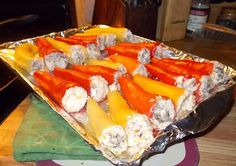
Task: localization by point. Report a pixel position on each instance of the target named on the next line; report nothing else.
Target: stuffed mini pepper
(102, 40)
(142, 55)
(107, 73)
(212, 68)
(187, 82)
(204, 82)
(132, 66)
(91, 47)
(183, 99)
(137, 126)
(96, 86)
(109, 134)
(160, 109)
(52, 57)
(69, 95)
(151, 46)
(27, 56)
(77, 54)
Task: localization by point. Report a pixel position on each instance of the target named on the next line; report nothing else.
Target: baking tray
(205, 114)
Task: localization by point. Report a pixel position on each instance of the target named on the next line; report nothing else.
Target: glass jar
(198, 14)
(227, 17)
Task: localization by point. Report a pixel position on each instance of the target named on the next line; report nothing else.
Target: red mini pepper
(205, 68)
(148, 45)
(162, 75)
(45, 47)
(105, 72)
(151, 46)
(74, 76)
(54, 86)
(67, 40)
(96, 86)
(138, 99)
(180, 70)
(85, 38)
(73, 41)
(127, 51)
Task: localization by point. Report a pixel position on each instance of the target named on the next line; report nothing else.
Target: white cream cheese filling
(186, 102)
(114, 139)
(205, 86)
(120, 71)
(106, 40)
(144, 56)
(74, 99)
(114, 87)
(78, 54)
(141, 69)
(161, 52)
(187, 83)
(110, 40)
(55, 59)
(139, 132)
(101, 42)
(218, 75)
(36, 65)
(93, 51)
(128, 36)
(98, 88)
(163, 113)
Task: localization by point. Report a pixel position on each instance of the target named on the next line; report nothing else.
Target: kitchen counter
(217, 146)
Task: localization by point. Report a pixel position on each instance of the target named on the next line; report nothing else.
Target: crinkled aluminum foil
(205, 114)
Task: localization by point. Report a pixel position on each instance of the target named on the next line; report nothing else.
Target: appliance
(25, 19)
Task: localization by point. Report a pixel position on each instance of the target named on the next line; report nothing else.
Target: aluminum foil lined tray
(205, 114)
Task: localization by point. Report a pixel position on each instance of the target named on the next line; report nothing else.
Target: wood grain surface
(7, 133)
(217, 146)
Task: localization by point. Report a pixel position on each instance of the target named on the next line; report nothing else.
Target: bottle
(227, 17)
(198, 15)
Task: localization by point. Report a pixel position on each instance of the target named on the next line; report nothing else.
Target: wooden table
(217, 147)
